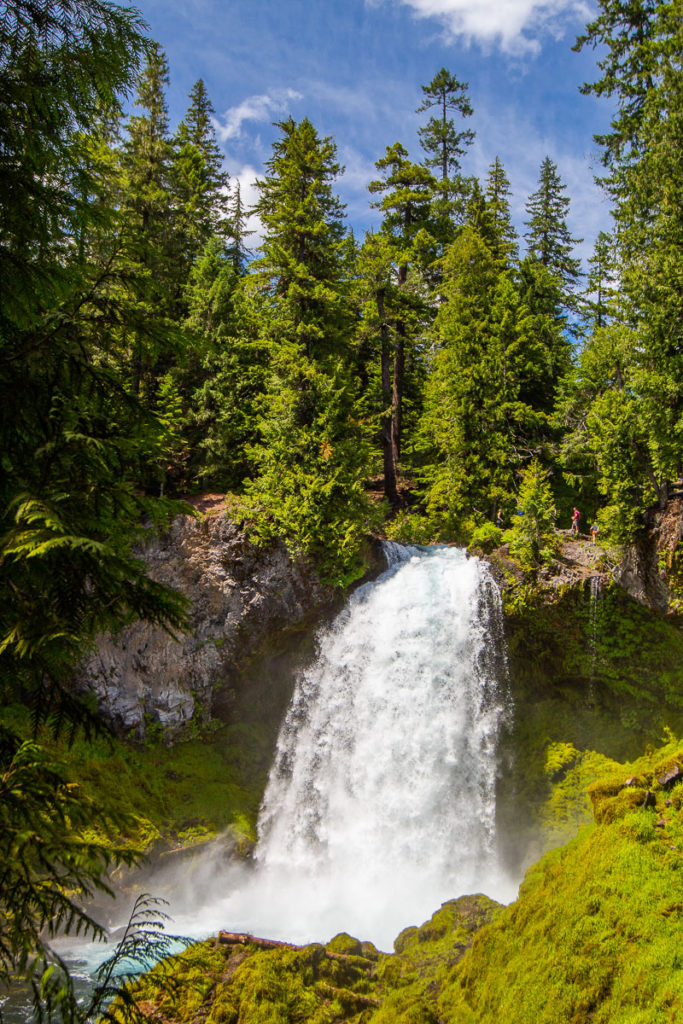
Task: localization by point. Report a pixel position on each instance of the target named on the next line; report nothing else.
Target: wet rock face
(239, 597)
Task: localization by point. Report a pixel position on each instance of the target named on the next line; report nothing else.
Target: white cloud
(254, 108)
(501, 22)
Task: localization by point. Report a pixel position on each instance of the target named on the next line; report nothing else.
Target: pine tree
(472, 429)
(231, 379)
(597, 300)
(549, 241)
(200, 185)
(503, 237)
(312, 455)
(238, 216)
(444, 145)
(154, 257)
(640, 67)
(533, 532)
(406, 204)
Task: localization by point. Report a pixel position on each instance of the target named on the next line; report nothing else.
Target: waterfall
(380, 803)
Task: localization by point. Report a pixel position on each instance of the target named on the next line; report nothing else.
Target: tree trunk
(397, 383)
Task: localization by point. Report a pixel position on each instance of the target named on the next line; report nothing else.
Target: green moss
(177, 796)
(594, 938)
(595, 934)
(592, 684)
(244, 984)
(345, 944)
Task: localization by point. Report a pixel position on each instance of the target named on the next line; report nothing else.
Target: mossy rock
(613, 808)
(369, 950)
(406, 938)
(345, 944)
(461, 917)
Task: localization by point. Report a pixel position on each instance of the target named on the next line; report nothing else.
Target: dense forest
(427, 381)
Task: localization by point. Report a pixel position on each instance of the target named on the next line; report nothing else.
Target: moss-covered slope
(594, 938)
(595, 679)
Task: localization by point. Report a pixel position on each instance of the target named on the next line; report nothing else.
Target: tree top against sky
(357, 70)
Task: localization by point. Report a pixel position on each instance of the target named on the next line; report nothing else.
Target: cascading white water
(381, 800)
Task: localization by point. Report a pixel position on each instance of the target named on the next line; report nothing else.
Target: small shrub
(487, 537)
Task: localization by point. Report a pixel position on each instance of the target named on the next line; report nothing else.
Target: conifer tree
(71, 440)
(153, 253)
(200, 185)
(597, 301)
(640, 67)
(311, 457)
(445, 145)
(225, 315)
(503, 237)
(407, 189)
(549, 241)
(238, 215)
(476, 425)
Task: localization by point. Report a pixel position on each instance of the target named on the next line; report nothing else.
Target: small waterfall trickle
(593, 601)
(380, 803)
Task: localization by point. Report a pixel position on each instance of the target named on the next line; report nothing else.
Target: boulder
(671, 777)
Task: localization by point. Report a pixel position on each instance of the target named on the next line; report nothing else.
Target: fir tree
(533, 532)
(71, 440)
(640, 68)
(549, 241)
(238, 252)
(502, 235)
(312, 457)
(445, 145)
(406, 224)
(597, 301)
(474, 420)
(153, 251)
(200, 185)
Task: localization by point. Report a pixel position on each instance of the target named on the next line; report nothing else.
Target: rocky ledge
(239, 596)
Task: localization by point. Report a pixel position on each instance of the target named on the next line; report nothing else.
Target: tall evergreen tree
(154, 250)
(640, 67)
(476, 425)
(71, 439)
(549, 241)
(406, 190)
(598, 298)
(312, 456)
(200, 184)
(238, 216)
(445, 145)
(503, 237)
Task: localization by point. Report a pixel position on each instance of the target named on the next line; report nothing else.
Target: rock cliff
(239, 595)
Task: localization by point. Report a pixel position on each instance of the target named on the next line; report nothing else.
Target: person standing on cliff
(575, 522)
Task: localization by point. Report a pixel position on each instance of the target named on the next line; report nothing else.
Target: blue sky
(355, 67)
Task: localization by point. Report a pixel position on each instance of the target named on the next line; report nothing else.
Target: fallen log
(243, 939)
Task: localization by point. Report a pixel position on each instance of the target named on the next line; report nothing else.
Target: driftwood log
(243, 939)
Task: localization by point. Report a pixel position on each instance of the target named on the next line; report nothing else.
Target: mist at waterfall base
(380, 804)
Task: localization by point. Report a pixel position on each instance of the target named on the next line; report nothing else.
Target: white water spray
(381, 800)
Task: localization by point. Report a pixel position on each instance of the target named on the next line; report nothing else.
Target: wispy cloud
(513, 25)
(254, 108)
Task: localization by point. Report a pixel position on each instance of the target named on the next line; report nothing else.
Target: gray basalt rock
(240, 596)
